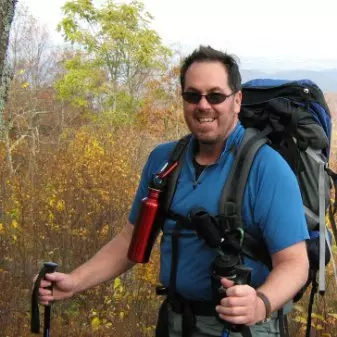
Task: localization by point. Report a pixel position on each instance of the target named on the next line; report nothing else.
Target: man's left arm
(277, 208)
(242, 305)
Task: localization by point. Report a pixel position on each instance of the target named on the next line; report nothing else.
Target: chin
(207, 140)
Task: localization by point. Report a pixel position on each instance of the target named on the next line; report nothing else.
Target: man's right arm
(110, 261)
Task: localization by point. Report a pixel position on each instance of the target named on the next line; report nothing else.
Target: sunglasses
(212, 97)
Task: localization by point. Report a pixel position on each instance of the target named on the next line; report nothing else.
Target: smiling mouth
(206, 120)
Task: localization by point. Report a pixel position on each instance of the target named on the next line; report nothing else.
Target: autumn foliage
(75, 138)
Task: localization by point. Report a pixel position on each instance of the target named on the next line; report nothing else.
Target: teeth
(206, 120)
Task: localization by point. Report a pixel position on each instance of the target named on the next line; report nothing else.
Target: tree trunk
(7, 8)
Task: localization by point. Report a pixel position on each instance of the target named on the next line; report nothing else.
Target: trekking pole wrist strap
(267, 305)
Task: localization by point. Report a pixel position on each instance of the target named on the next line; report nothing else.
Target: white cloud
(288, 33)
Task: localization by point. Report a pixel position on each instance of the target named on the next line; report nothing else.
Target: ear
(237, 101)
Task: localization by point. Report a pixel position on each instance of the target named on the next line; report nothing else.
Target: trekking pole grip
(48, 267)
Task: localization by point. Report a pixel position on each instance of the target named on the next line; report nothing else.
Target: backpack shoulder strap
(234, 187)
(232, 195)
(177, 155)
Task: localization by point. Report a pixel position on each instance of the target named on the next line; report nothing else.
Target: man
(272, 210)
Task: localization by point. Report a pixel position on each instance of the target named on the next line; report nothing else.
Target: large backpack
(294, 119)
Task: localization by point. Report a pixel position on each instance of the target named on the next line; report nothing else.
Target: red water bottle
(145, 232)
(147, 228)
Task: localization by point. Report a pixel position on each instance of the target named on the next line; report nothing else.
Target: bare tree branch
(17, 142)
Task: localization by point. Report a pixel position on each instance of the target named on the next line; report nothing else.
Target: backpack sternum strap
(226, 232)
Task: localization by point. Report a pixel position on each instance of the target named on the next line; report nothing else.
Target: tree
(31, 59)
(118, 49)
(31, 53)
(6, 18)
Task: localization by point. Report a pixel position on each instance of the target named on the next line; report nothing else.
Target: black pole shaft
(46, 329)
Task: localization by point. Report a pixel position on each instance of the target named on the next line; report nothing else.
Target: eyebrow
(210, 90)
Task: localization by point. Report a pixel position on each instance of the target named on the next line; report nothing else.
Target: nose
(203, 104)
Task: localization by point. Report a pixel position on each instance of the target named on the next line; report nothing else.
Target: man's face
(210, 123)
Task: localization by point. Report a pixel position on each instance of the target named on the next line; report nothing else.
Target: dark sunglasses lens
(191, 97)
(215, 97)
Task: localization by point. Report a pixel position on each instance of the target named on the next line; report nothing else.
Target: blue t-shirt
(272, 210)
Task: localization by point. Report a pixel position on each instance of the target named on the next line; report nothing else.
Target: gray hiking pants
(209, 326)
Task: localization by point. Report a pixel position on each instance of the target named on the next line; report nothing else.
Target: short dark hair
(208, 54)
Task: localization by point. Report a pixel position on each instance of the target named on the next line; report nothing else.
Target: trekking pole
(48, 267)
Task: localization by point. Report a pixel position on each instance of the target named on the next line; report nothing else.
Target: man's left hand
(241, 304)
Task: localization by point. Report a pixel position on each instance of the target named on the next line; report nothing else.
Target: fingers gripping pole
(48, 267)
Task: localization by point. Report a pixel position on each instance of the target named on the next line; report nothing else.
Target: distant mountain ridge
(325, 79)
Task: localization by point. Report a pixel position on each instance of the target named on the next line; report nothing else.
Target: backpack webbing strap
(331, 254)
(179, 148)
(162, 327)
(333, 222)
(283, 323)
(333, 208)
(177, 154)
(180, 224)
(321, 217)
(322, 232)
(314, 287)
(245, 331)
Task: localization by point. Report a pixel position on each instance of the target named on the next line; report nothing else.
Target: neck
(208, 154)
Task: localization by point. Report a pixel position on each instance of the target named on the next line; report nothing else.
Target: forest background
(77, 124)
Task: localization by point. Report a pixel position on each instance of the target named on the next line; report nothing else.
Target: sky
(264, 34)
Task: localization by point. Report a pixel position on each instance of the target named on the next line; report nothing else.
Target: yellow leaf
(117, 283)
(60, 205)
(95, 323)
(51, 216)
(121, 314)
(14, 223)
(332, 315)
(320, 317)
(25, 85)
(298, 307)
(1, 227)
(300, 319)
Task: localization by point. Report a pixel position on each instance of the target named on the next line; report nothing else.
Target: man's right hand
(63, 287)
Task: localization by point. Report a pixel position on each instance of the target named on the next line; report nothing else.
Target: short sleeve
(277, 203)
